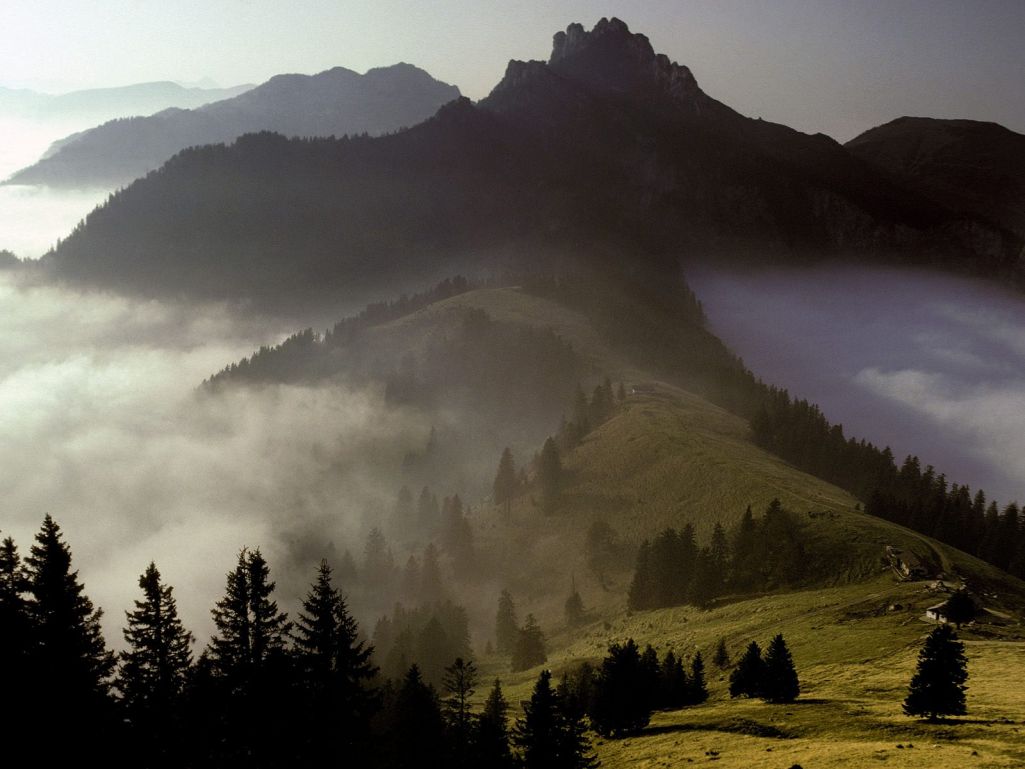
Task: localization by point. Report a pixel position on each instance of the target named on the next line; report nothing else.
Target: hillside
(332, 103)
(970, 166)
(607, 144)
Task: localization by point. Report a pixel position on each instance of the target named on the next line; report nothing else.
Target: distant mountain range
(606, 151)
(332, 103)
(969, 166)
(101, 104)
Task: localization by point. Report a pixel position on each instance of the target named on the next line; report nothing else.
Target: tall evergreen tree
(779, 677)
(547, 739)
(507, 626)
(675, 686)
(416, 726)
(530, 648)
(506, 483)
(938, 685)
(697, 690)
(491, 735)
(336, 672)
(722, 657)
(574, 606)
(16, 642)
(746, 678)
(155, 664)
(623, 699)
(70, 659)
(459, 682)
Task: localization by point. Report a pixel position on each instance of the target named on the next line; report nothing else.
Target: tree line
(761, 554)
(922, 500)
(266, 691)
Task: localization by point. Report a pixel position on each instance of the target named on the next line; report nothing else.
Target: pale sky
(836, 66)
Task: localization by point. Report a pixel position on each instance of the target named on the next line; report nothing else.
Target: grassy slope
(670, 457)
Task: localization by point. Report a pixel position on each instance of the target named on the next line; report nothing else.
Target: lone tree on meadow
(721, 659)
(938, 686)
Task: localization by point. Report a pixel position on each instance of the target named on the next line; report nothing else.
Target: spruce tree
(697, 691)
(722, 657)
(779, 677)
(491, 734)
(16, 641)
(675, 685)
(623, 699)
(746, 678)
(960, 608)
(335, 668)
(155, 665)
(507, 627)
(938, 685)
(530, 646)
(416, 728)
(506, 484)
(459, 682)
(71, 663)
(574, 606)
(547, 739)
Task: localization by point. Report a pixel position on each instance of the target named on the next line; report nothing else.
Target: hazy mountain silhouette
(336, 102)
(101, 104)
(607, 148)
(967, 165)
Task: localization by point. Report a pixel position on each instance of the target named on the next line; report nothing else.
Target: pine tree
(722, 657)
(71, 662)
(547, 739)
(491, 735)
(674, 684)
(432, 586)
(623, 697)
(416, 725)
(706, 582)
(250, 628)
(574, 606)
(550, 475)
(459, 683)
(16, 642)
(697, 691)
(336, 672)
(745, 548)
(155, 664)
(530, 646)
(505, 485)
(938, 685)
(507, 627)
(779, 677)
(746, 678)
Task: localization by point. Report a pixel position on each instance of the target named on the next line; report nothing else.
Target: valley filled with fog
(33, 217)
(928, 364)
(105, 427)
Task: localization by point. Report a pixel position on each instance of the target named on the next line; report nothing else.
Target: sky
(833, 66)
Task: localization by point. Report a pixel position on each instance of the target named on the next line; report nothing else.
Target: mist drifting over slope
(102, 424)
(928, 364)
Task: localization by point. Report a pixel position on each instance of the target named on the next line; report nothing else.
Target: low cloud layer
(928, 364)
(102, 425)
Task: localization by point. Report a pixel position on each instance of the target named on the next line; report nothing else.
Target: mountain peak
(611, 58)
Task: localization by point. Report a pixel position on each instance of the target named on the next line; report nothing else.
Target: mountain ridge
(333, 102)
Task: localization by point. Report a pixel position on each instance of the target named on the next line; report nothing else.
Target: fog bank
(928, 364)
(102, 425)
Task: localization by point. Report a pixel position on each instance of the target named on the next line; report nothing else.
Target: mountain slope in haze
(98, 105)
(967, 165)
(606, 147)
(335, 102)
